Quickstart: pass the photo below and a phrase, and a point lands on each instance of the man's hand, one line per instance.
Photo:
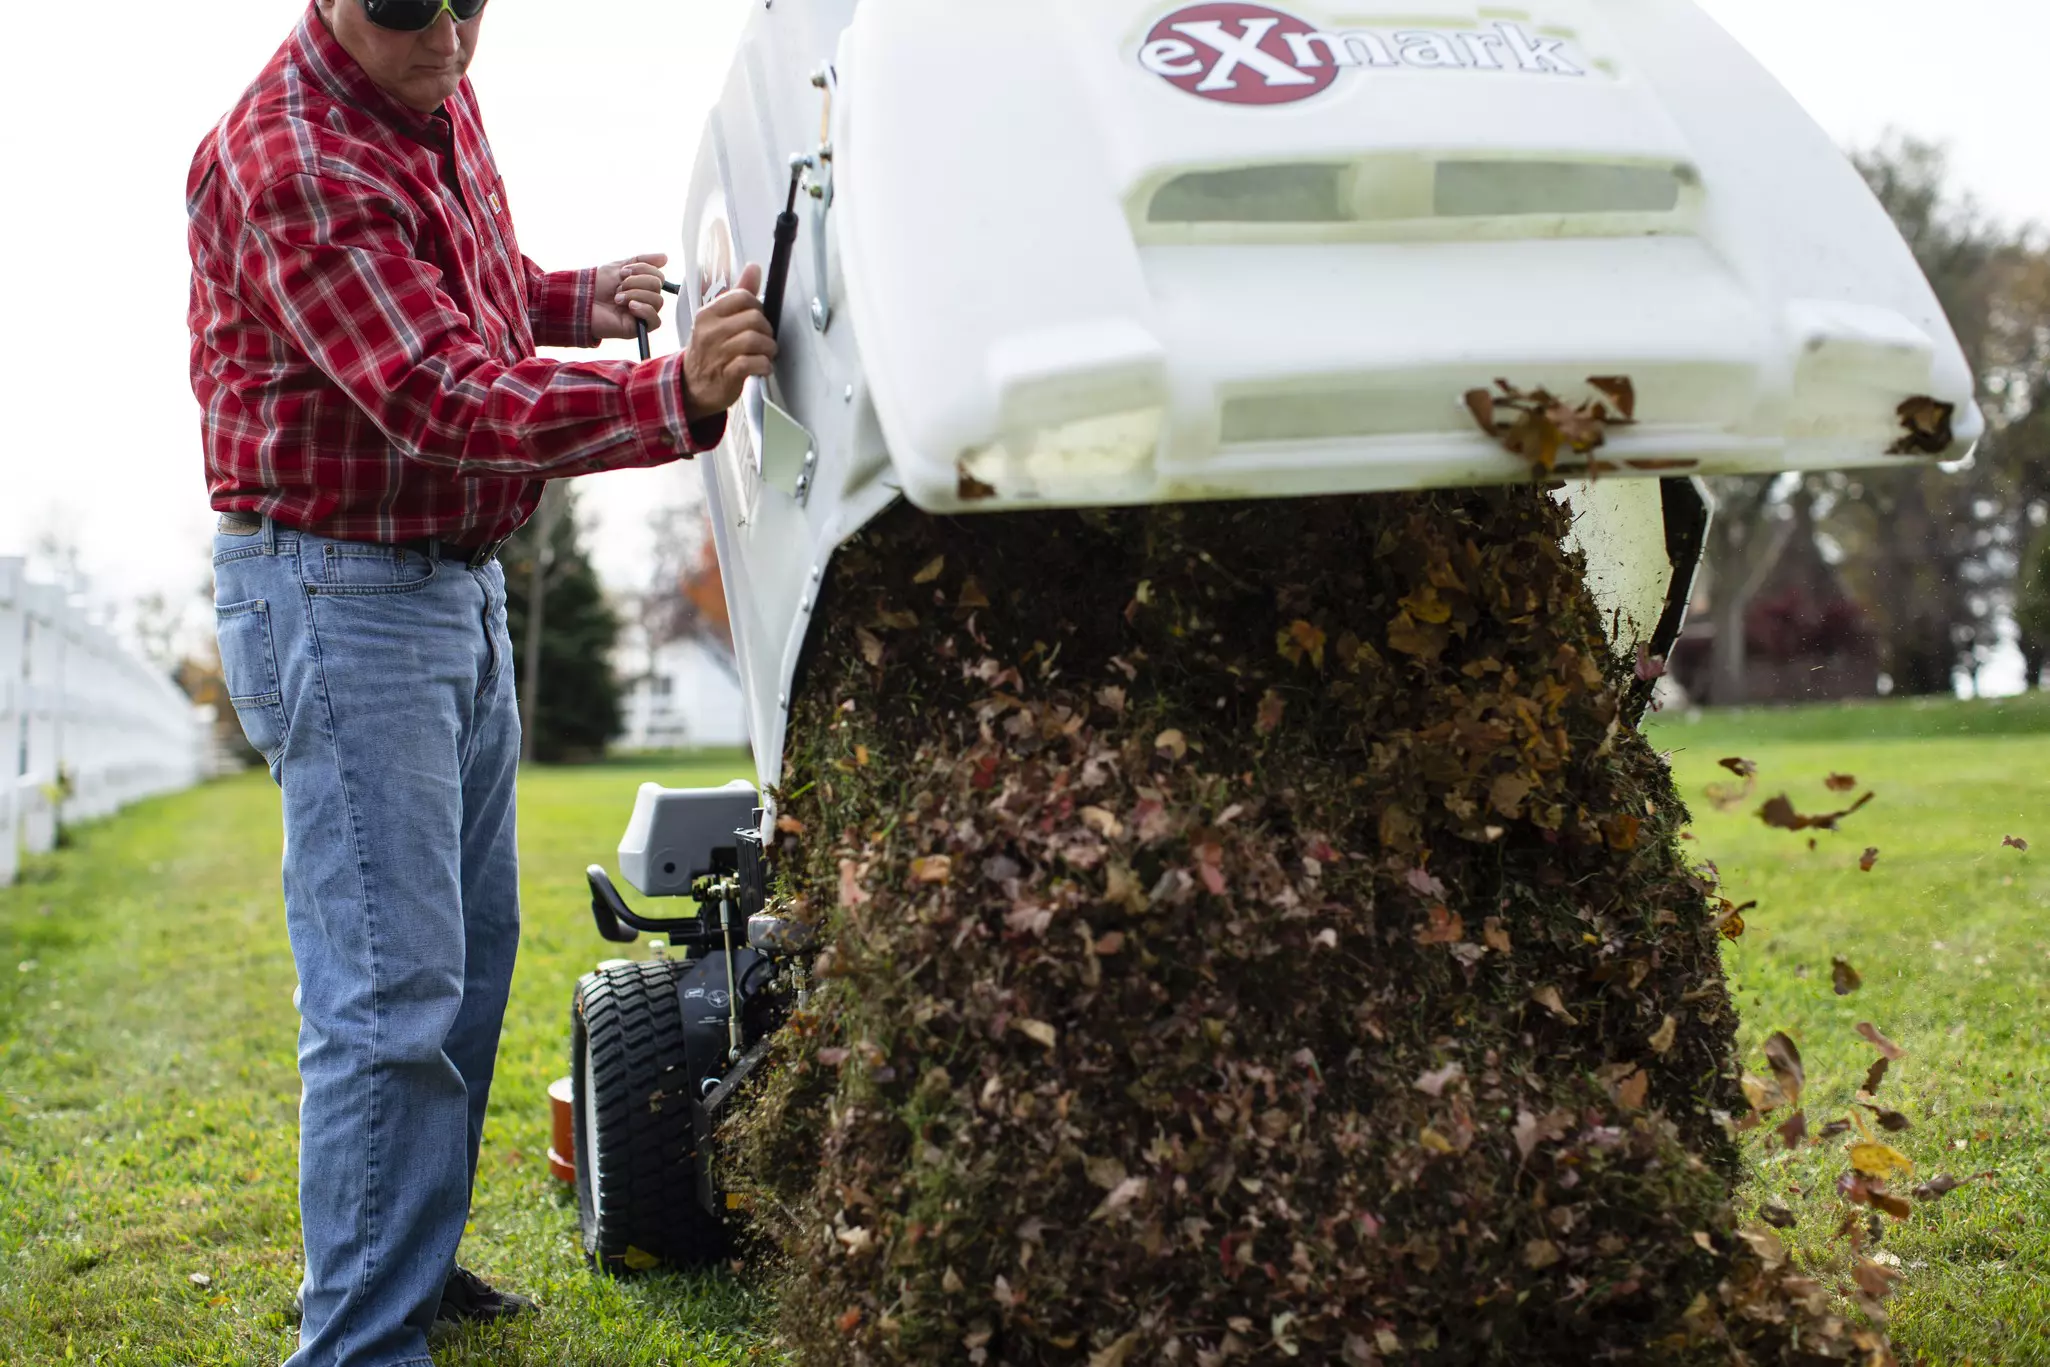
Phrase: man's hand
(729, 343)
(629, 292)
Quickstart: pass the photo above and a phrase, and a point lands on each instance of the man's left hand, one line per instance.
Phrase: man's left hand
(629, 292)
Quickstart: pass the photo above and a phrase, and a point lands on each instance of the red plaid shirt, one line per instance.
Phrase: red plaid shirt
(364, 325)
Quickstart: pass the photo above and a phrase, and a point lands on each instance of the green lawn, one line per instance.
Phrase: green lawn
(1951, 933)
(147, 1093)
(147, 1100)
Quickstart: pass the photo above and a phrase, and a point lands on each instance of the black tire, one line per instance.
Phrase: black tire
(637, 1193)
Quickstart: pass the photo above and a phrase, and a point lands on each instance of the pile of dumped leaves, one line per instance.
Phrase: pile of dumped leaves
(1253, 933)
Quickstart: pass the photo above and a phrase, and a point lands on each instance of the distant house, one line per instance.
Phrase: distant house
(689, 699)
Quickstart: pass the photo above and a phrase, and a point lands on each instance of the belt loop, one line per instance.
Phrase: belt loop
(270, 535)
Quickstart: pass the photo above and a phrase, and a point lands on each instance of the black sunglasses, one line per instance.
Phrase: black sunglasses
(412, 16)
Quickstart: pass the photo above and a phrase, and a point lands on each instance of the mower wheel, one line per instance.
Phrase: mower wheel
(637, 1191)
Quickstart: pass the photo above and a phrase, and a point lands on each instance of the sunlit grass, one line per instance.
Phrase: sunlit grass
(1951, 933)
(148, 1099)
(147, 1092)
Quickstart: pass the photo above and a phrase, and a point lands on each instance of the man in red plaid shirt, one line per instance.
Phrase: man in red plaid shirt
(376, 423)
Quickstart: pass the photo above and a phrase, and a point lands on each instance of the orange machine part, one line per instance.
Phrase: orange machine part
(562, 1163)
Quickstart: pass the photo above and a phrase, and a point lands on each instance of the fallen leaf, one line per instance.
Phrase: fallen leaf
(1766, 1244)
(851, 892)
(1540, 1254)
(1874, 1279)
(938, 868)
(1481, 403)
(1927, 424)
(1104, 1173)
(1765, 1097)
(1423, 884)
(972, 595)
(639, 1260)
(789, 825)
(1779, 813)
(1308, 640)
(1742, 768)
(2015, 842)
(1433, 1084)
(1122, 1195)
(1435, 1142)
(1650, 667)
(1880, 1160)
(1943, 1184)
(1173, 744)
(1272, 706)
(1843, 977)
(1893, 1122)
(200, 1279)
(1620, 391)
(1496, 935)
(1777, 1215)
(1869, 859)
(1548, 997)
(1507, 792)
(1662, 1038)
(932, 571)
(1115, 1355)
(1442, 927)
(1794, 1129)
(851, 1321)
(1039, 1032)
(1785, 1058)
(1874, 1076)
(1632, 1090)
(1840, 783)
(871, 646)
(1102, 821)
(968, 489)
(1880, 1042)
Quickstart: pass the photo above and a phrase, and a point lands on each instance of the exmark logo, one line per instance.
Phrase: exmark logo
(1249, 54)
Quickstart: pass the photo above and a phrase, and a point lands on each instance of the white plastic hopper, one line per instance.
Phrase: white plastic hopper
(1083, 252)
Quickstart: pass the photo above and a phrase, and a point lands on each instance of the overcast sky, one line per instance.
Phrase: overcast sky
(594, 110)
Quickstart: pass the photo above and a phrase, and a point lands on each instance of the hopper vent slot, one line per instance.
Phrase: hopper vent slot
(1256, 194)
(1509, 189)
(1581, 196)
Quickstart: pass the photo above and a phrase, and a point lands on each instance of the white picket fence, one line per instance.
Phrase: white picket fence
(85, 726)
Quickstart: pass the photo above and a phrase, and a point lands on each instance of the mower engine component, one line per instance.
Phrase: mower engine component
(680, 835)
(780, 935)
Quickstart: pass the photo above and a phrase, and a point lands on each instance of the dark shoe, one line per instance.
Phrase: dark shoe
(468, 1299)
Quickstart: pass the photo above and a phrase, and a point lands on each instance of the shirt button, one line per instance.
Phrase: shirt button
(667, 439)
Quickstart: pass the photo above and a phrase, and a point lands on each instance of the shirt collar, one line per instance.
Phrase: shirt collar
(322, 54)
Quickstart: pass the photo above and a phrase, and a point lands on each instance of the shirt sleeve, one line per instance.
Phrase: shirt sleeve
(331, 262)
(559, 305)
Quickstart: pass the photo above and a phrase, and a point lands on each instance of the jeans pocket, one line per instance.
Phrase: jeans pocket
(249, 665)
(347, 571)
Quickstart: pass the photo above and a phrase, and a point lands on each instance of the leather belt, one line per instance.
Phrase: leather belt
(474, 557)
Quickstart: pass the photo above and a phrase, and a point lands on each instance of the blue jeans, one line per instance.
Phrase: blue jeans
(378, 685)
